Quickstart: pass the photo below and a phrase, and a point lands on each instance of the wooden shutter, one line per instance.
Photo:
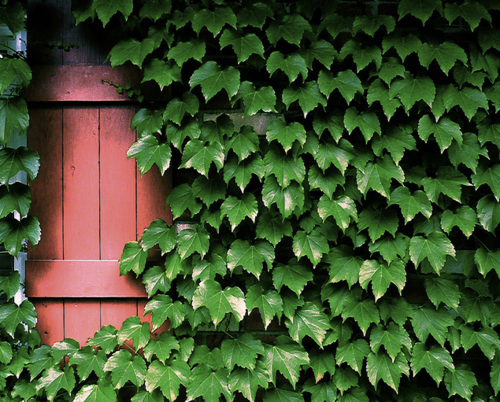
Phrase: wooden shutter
(90, 199)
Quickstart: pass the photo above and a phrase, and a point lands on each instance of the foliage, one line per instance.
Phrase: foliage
(356, 222)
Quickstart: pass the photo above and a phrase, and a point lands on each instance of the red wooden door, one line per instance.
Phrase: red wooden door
(90, 200)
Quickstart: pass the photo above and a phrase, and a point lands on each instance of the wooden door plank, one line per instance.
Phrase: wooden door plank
(50, 323)
(152, 191)
(45, 137)
(82, 319)
(81, 183)
(115, 311)
(80, 278)
(118, 176)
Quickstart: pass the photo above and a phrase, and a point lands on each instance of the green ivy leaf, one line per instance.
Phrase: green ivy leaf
(272, 228)
(255, 100)
(340, 156)
(292, 275)
(158, 232)
(343, 265)
(161, 347)
(193, 240)
(168, 377)
(410, 90)
(445, 131)
(312, 245)
(237, 209)
(132, 328)
(14, 16)
(105, 9)
(13, 114)
(242, 172)
(396, 142)
(390, 70)
(250, 257)
(310, 321)
(487, 260)
(106, 339)
(433, 359)
(379, 91)
(248, 381)
(286, 199)
(162, 308)
(364, 312)
(429, 321)
(435, 247)
(345, 378)
(320, 50)
(282, 395)
(307, 94)
(285, 168)
(13, 233)
(125, 367)
(468, 99)
(362, 56)
(183, 51)
(146, 122)
(443, 290)
(243, 45)
(9, 284)
(446, 55)
(491, 177)
(291, 29)
(380, 367)
(55, 379)
(327, 182)
(200, 156)
(421, 9)
(12, 69)
(176, 108)
(219, 302)
(381, 275)
(102, 391)
(155, 9)
(392, 337)
(370, 24)
(460, 381)
(332, 122)
(353, 353)
(148, 151)
(131, 50)
(342, 209)
(403, 44)
(241, 351)
(88, 360)
(269, 303)
(488, 213)
(447, 181)
(411, 204)
(285, 356)
(347, 82)
(378, 221)
(286, 134)
(391, 248)
(292, 65)
(367, 122)
(181, 198)
(395, 309)
(464, 218)
(163, 73)
(470, 11)
(321, 363)
(486, 338)
(214, 20)
(378, 176)
(254, 14)
(16, 197)
(133, 258)
(212, 80)
(468, 153)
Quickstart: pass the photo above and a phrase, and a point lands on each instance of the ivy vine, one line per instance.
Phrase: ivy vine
(335, 202)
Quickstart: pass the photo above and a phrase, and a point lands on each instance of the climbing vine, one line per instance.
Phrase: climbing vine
(335, 204)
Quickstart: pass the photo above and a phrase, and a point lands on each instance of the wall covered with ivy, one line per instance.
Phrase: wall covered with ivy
(335, 202)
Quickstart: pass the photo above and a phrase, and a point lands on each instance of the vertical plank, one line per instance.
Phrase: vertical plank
(44, 27)
(82, 318)
(115, 311)
(45, 137)
(81, 183)
(117, 187)
(152, 191)
(50, 323)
